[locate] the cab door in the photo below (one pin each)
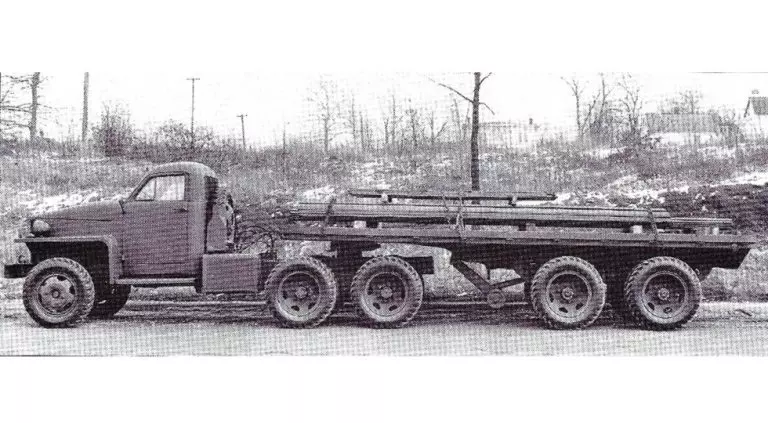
(155, 237)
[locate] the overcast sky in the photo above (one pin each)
(270, 99)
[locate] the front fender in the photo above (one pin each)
(68, 246)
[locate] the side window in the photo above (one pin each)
(163, 188)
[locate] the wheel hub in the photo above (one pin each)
(301, 293)
(567, 293)
(56, 293)
(386, 293)
(663, 294)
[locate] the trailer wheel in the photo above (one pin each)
(568, 293)
(111, 300)
(662, 293)
(301, 292)
(58, 292)
(387, 292)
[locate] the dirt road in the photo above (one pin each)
(167, 328)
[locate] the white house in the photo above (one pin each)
(683, 128)
(756, 117)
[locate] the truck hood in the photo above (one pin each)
(101, 211)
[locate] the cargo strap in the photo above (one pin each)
(459, 226)
(654, 227)
(328, 213)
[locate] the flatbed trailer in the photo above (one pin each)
(176, 229)
(572, 260)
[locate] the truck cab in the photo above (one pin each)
(158, 235)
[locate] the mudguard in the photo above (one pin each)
(108, 241)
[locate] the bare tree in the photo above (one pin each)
(434, 131)
(585, 107)
(18, 114)
(324, 97)
(632, 105)
(352, 119)
(687, 101)
(476, 103)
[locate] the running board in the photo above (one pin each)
(156, 281)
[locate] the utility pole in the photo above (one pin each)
(192, 125)
(85, 109)
(284, 152)
(33, 117)
(1, 106)
(242, 127)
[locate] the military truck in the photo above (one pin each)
(176, 228)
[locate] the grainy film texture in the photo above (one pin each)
(467, 213)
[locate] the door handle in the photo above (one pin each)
(182, 209)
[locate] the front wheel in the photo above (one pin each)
(662, 293)
(58, 292)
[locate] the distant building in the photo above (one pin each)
(756, 116)
(683, 128)
(522, 134)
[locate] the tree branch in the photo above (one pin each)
(489, 108)
(485, 77)
(452, 89)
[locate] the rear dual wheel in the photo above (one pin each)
(568, 293)
(662, 293)
(301, 292)
(387, 292)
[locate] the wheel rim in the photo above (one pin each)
(56, 294)
(567, 295)
(386, 294)
(665, 295)
(299, 293)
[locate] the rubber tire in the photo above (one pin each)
(539, 285)
(326, 301)
(640, 275)
(85, 292)
(110, 302)
(414, 286)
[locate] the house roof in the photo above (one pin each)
(759, 105)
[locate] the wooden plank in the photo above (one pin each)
(477, 214)
(453, 196)
(447, 237)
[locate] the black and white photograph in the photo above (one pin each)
(358, 187)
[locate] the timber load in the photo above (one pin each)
(449, 211)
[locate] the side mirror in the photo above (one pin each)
(122, 204)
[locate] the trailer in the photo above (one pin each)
(177, 229)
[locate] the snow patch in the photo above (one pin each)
(758, 178)
(322, 194)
